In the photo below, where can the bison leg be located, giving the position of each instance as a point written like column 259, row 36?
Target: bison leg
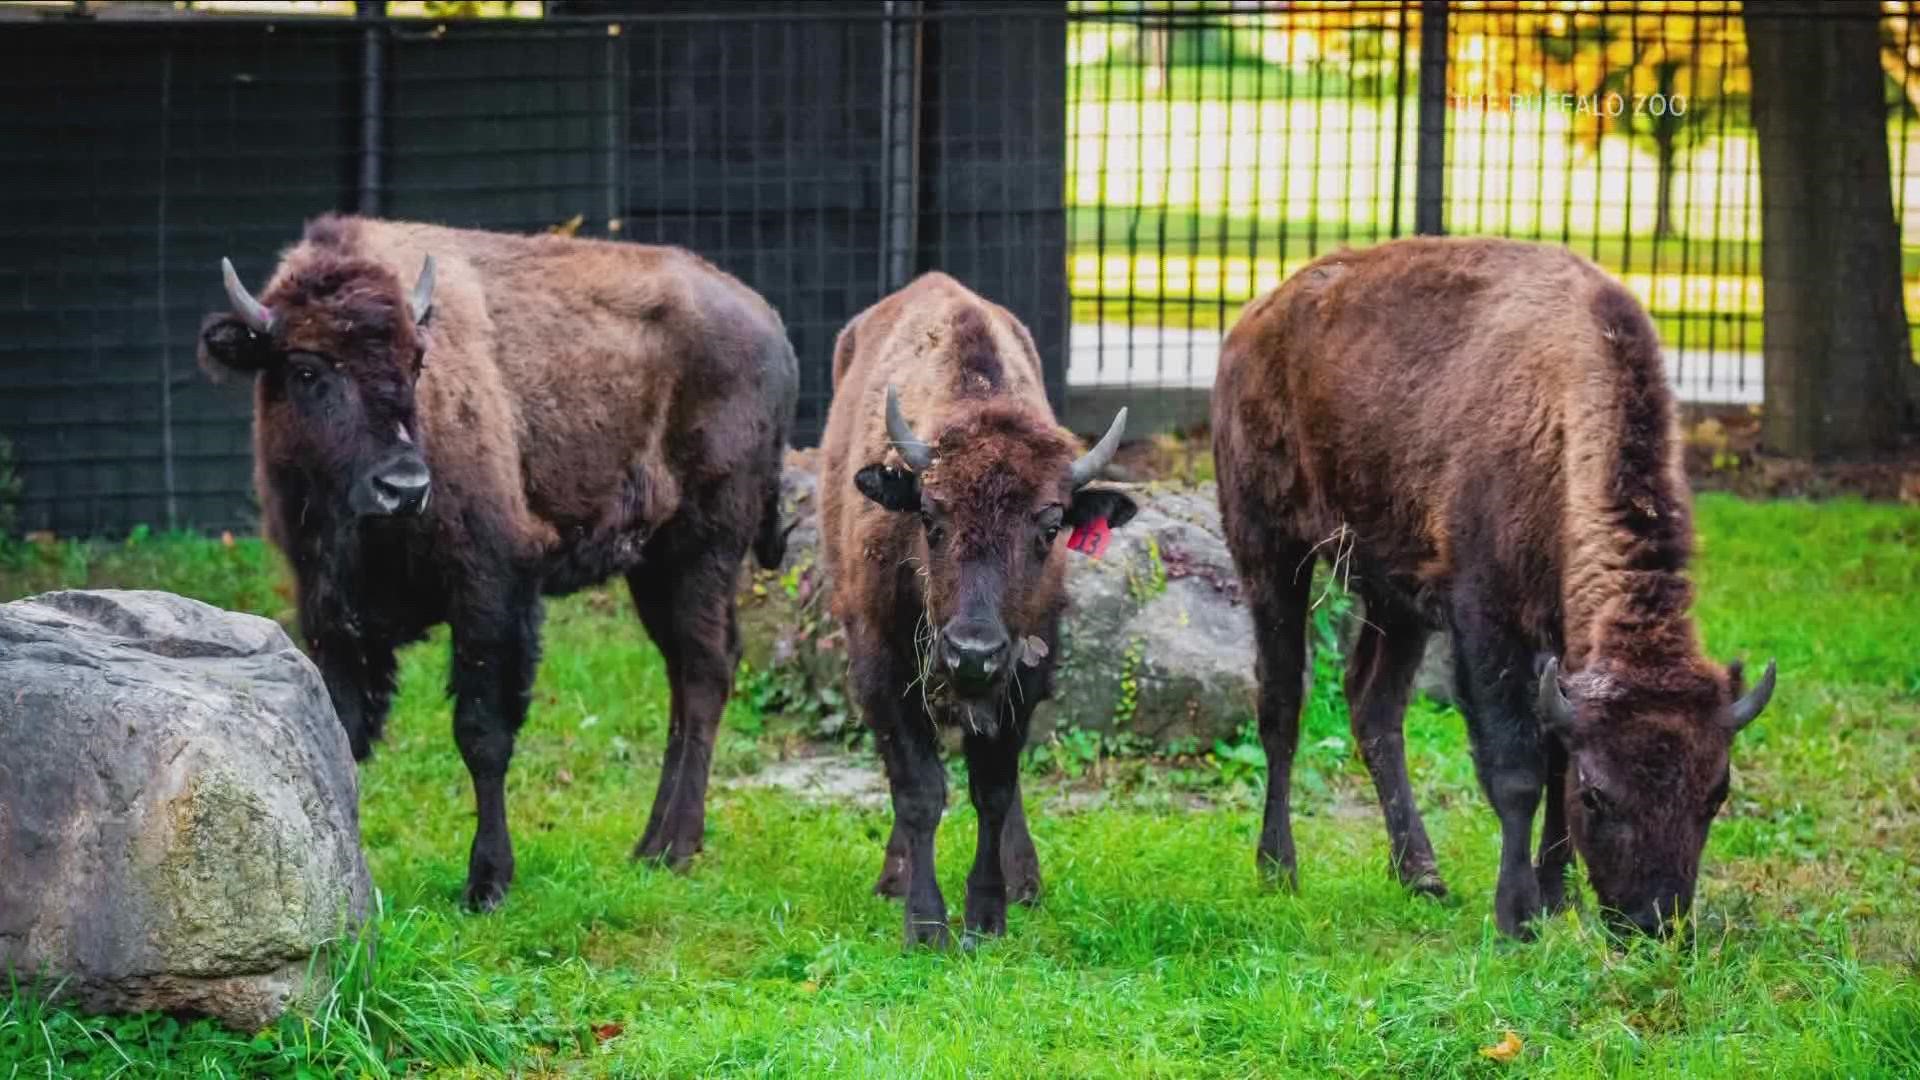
column 359, row 677
column 910, row 750
column 1019, row 862
column 1493, row 675
column 993, row 764
column 1379, row 680
column 1556, row 847
column 894, row 871
column 689, row 613
column 1278, row 593
column 495, row 654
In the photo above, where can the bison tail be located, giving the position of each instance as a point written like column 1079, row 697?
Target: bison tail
column 770, row 546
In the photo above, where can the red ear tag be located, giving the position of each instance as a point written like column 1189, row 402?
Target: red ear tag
column 1090, row 538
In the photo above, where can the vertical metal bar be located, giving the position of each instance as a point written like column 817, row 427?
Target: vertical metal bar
column 615, row 128
column 900, row 62
column 625, row 193
column 373, row 105
column 160, row 291
column 1399, row 112
column 1688, row 316
column 1430, row 162
column 1284, row 200
column 1224, row 218
column 1719, row 208
column 1569, row 156
column 1259, row 166
column 1626, row 116
column 1318, row 96
column 1906, row 116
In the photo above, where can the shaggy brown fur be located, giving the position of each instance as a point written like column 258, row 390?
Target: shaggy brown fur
column 970, row 546
column 1480, row 435
column 584, row 409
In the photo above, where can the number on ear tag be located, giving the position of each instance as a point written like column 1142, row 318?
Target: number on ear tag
column 1090, row 538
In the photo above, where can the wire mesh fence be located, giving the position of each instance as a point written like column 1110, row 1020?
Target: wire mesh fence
column 1124, row 176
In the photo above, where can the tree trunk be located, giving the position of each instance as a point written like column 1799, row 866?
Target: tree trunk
column 1836, row 325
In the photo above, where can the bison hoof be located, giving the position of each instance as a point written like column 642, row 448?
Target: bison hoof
column 985, row 919
column 1426, row 882
column 676, row 855
column 1515, row 907
column 1274, row 874
column 485, row 895
column 894, row 879
column 929, row 931
column 1553, row 891
column 1024, row 890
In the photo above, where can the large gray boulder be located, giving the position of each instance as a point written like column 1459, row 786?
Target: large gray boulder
column 1156, row 643
column 179, row 823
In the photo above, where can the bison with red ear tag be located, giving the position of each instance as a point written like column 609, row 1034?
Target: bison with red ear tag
column 949, row 495
column 1484, row 431
column 450, row 425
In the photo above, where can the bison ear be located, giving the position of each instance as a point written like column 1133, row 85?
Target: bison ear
column 1093, row 503
column 229, row 346
column 896, row 489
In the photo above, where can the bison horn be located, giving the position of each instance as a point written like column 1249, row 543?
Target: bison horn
column 422, row 299
column 913, row 451
column 1556, row 712
column 1749, row 705
column 255, row 314
column 1096, row 459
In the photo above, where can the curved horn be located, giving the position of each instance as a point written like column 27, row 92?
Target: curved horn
column 255, row 314
column 914, row 452
column 1556, row 712
column 422, row 299
column 1096, row 459
column 1749, row 706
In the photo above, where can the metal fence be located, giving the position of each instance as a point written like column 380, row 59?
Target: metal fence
column 824, row 153
column 1215, row 148
column 1124, row 176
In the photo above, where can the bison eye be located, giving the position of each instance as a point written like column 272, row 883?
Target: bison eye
column 1595, row 800
column 1053, row 532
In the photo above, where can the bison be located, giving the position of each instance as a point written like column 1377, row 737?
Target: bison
column 1480, row 434
column 948, row 558
column 532, row 416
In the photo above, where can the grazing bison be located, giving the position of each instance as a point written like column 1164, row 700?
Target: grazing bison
column 1481, row 435
column 535, row 415
column 948, row 571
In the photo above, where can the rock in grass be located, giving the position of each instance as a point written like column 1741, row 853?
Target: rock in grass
column 179, row 823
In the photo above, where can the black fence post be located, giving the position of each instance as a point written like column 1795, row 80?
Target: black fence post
column 1430, row 161
column 901, row 70
column 373, row 101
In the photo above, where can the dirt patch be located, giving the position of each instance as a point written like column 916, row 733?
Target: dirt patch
column 822, row 774
column 854, row 779
column 1723, row 453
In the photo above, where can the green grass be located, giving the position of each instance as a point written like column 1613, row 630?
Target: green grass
column 1154, row 952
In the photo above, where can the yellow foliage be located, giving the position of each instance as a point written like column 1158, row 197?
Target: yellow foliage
column 1505, row 1050
column 1696, row 51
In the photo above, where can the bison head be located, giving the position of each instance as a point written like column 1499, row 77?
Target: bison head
column 337, row 348
column 1647, row 771
column 992, row 495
